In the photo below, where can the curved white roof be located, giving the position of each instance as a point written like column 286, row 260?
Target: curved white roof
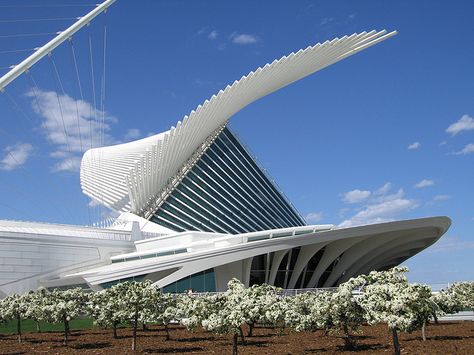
column 363, row 248
column 130, row 176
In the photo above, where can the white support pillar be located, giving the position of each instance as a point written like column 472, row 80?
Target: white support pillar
column 355, row 253
column 277, row 258
column 306, row 253
column 333, row 250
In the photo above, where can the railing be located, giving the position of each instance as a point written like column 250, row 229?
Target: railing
column 297, row 291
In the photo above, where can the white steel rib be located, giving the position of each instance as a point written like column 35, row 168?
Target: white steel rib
column 132, row 176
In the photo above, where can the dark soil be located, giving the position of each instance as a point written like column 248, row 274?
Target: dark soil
column 445, row 338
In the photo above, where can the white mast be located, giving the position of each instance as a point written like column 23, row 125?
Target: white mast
column 51, row 45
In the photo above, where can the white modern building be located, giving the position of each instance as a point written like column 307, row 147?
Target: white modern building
column 198, row 210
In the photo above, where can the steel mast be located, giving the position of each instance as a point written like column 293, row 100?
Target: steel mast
column 51, row 45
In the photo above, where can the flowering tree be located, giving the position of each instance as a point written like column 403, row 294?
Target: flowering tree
column 228, row 314
column 105, row 308
column 36, row 302
column 257, row 302
column 62, row 306
column 134, row 301
column 191, row 310
column 275, row 313
column 298, row 314
column 163, row 310
column 389, row 298
column 465, row 291
column 15, row 307
column 346, row 312
column 455, row 298
column 331, row 311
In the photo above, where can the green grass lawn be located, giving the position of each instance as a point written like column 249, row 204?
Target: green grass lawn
column 30, row 326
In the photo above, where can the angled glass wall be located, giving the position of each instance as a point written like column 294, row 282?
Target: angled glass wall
column 227, row 192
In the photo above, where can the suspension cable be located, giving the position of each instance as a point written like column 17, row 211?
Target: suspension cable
column 16, row 35
column 56, row 74
column 36, row 90
column 93, row 86
column 33, row 181
column 94, row 115
column 77, row 106
column 82, row 98
column 16, row 105
column 104, row 79
column 103, row 87
column 37, row 19
column 54, row 5
column 17, row 50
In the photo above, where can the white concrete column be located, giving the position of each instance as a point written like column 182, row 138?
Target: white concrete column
column 379, row 253
column 333, row 250
column 356, row 252
column 277, row 258
column 306, row 253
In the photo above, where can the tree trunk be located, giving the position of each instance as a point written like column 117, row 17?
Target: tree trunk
column 66, row 330
column 167, row 332
column 135, row 325
column 242, row 335
column 114, row 326
column 38, row 326
column 348, row 341
column 423, row 334
column 250, row 333
column 234, row 343
column 435, row 318
column 18, row 329
column 396, row 344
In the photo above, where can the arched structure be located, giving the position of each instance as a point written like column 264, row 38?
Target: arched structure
column 198, row 210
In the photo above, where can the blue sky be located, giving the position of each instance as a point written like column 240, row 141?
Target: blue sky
column 387, row 134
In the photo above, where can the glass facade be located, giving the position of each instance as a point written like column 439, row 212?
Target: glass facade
column 203, row 281
column 227, row 192
column 139, row 278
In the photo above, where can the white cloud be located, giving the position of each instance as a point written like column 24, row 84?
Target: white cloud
column 451, row 243
column 381, row 207
column 213, row 35
column 414, row 145
column 314, row 217
column 384, row 189
column 441, row 197
column 69, row 163
column 132, row 133
column 15, row 156
column 201, row 31
column 326, row 20
column 380, row 212
column 438, row 198
column 355, row 196
column 72, row 128
column 468, row 149
column 244, row 38
column 384, row 197
column 424, row 183
column 465, row 123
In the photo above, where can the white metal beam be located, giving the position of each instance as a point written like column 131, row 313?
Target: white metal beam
column 51, row 45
